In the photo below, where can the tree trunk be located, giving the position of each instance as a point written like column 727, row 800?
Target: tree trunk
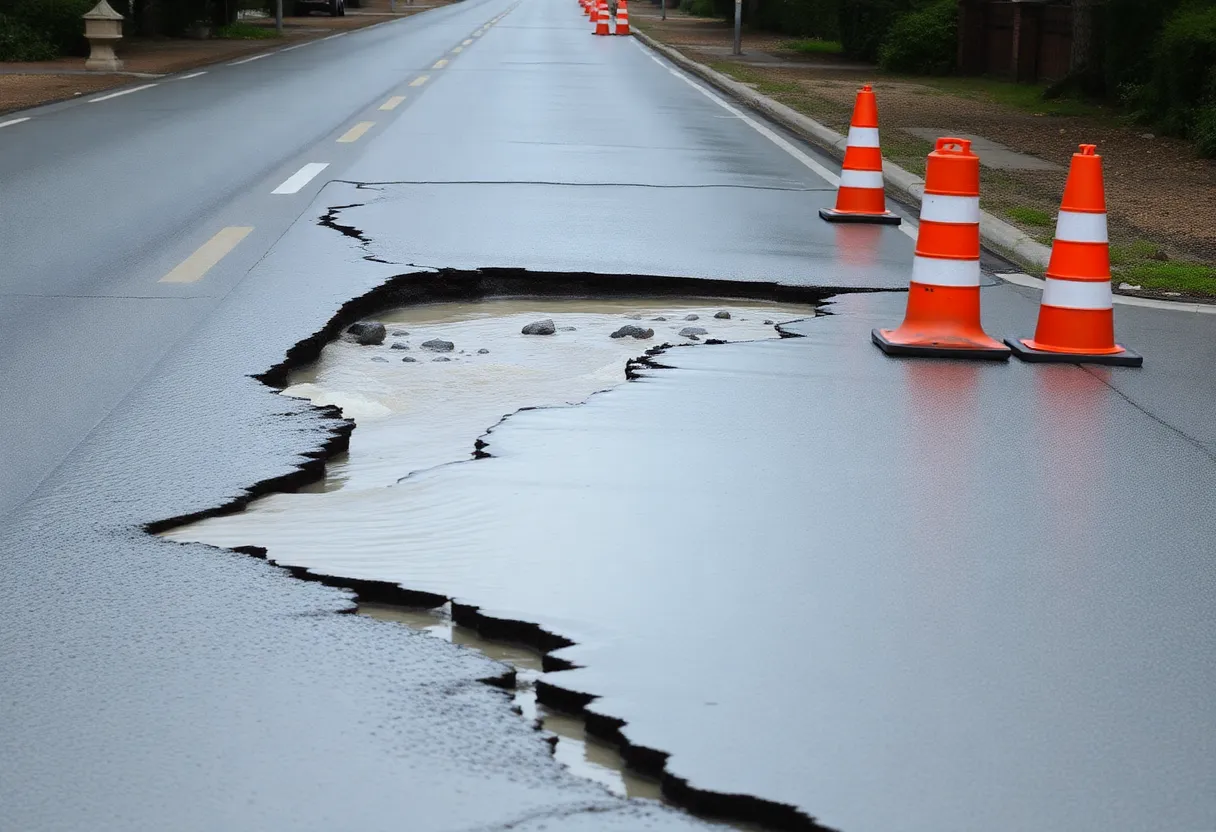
column 1080, row 60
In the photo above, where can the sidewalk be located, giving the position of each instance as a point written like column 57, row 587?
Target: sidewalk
column 1161, row 196
column 24, row 85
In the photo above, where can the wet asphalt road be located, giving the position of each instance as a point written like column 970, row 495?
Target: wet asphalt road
column 150, row 685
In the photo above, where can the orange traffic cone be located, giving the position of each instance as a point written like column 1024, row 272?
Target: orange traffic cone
column 860, row 196
column 943, row 317
column 622, row 17
column 601, row 18
column 1076, row 319
column 589, row 8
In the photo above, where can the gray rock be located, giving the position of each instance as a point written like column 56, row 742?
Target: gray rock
column 632, row 331
column 544, row 327
column 693, row 331
column 660, row 318
column 380, row 359
column 566, row 328
column 483, row 351
column 438, row 345
column 692, row 317
column 693, row 337
column 399, row 345
column 768, row 322
column 367, row 333
column 441, row 358
column 723, row 315
column 637, row 317
column 398, row 333
column 409, row 359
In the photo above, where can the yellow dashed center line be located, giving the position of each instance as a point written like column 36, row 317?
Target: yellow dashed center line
column 209, row 253
column 467, row 42
column 420, row 80
column 440, row 64
column 392, row 103
column 356, row 132
column 456, row 50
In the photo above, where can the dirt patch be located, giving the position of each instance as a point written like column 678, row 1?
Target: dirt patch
column 24, row 85
column 17, row 92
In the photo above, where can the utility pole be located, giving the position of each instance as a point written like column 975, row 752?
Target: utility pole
column 738, row 50
column 663, row 5
column 278, row 16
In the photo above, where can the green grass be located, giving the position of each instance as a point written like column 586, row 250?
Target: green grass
column 746, row 75
column 813, row 46
column 1133, row 252
column 1026, row 97
column 1187, row 278
column 1029, row 216
column 245, row 31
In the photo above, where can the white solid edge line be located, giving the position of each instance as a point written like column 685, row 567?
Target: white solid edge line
column 823, row 173
column 908, row 228
column 108, row 96
column 300, row 178
column 188, row 77
column 298, row 46
column 13, row 121
column 254, row 58
column 1032, row 282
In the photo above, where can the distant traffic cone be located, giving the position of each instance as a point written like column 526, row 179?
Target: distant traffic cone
column 943, row 317
column 860, row 196
column 1076, row 318
column 589, row 9
column 622, row 17
column 601, row 18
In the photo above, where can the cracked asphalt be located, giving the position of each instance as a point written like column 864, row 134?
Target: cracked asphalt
column 161, row 248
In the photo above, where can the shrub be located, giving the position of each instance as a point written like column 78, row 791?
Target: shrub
column 1204, row 130
column 922, row 42
column 864, row 24
column 802, row 18
column 1184, row 68
column 18, row 42
column 57, row 22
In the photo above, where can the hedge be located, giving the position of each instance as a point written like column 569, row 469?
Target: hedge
column 923, row 42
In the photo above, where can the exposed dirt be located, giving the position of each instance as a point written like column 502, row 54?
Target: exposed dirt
column 24, row 85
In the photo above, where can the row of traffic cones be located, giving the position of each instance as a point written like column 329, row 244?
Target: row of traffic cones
column 598, row 12
column 1076, row 316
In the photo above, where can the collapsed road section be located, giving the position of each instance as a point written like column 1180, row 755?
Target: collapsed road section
column 423, row 382
column 772, row 574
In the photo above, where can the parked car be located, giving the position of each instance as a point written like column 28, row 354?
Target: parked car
column 336, row 8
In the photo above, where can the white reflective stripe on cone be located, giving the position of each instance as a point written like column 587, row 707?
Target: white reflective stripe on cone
column 1077, row 294
column 863, row 136
column 960, row 209
column 1080, row 227
column 861, row 179
column 934, row 272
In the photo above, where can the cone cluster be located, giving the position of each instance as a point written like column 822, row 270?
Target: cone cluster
column 601, row 18
column 942, row 320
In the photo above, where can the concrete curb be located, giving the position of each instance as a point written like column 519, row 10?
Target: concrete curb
column 995, row 233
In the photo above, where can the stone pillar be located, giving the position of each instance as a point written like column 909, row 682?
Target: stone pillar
column 103, row 29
